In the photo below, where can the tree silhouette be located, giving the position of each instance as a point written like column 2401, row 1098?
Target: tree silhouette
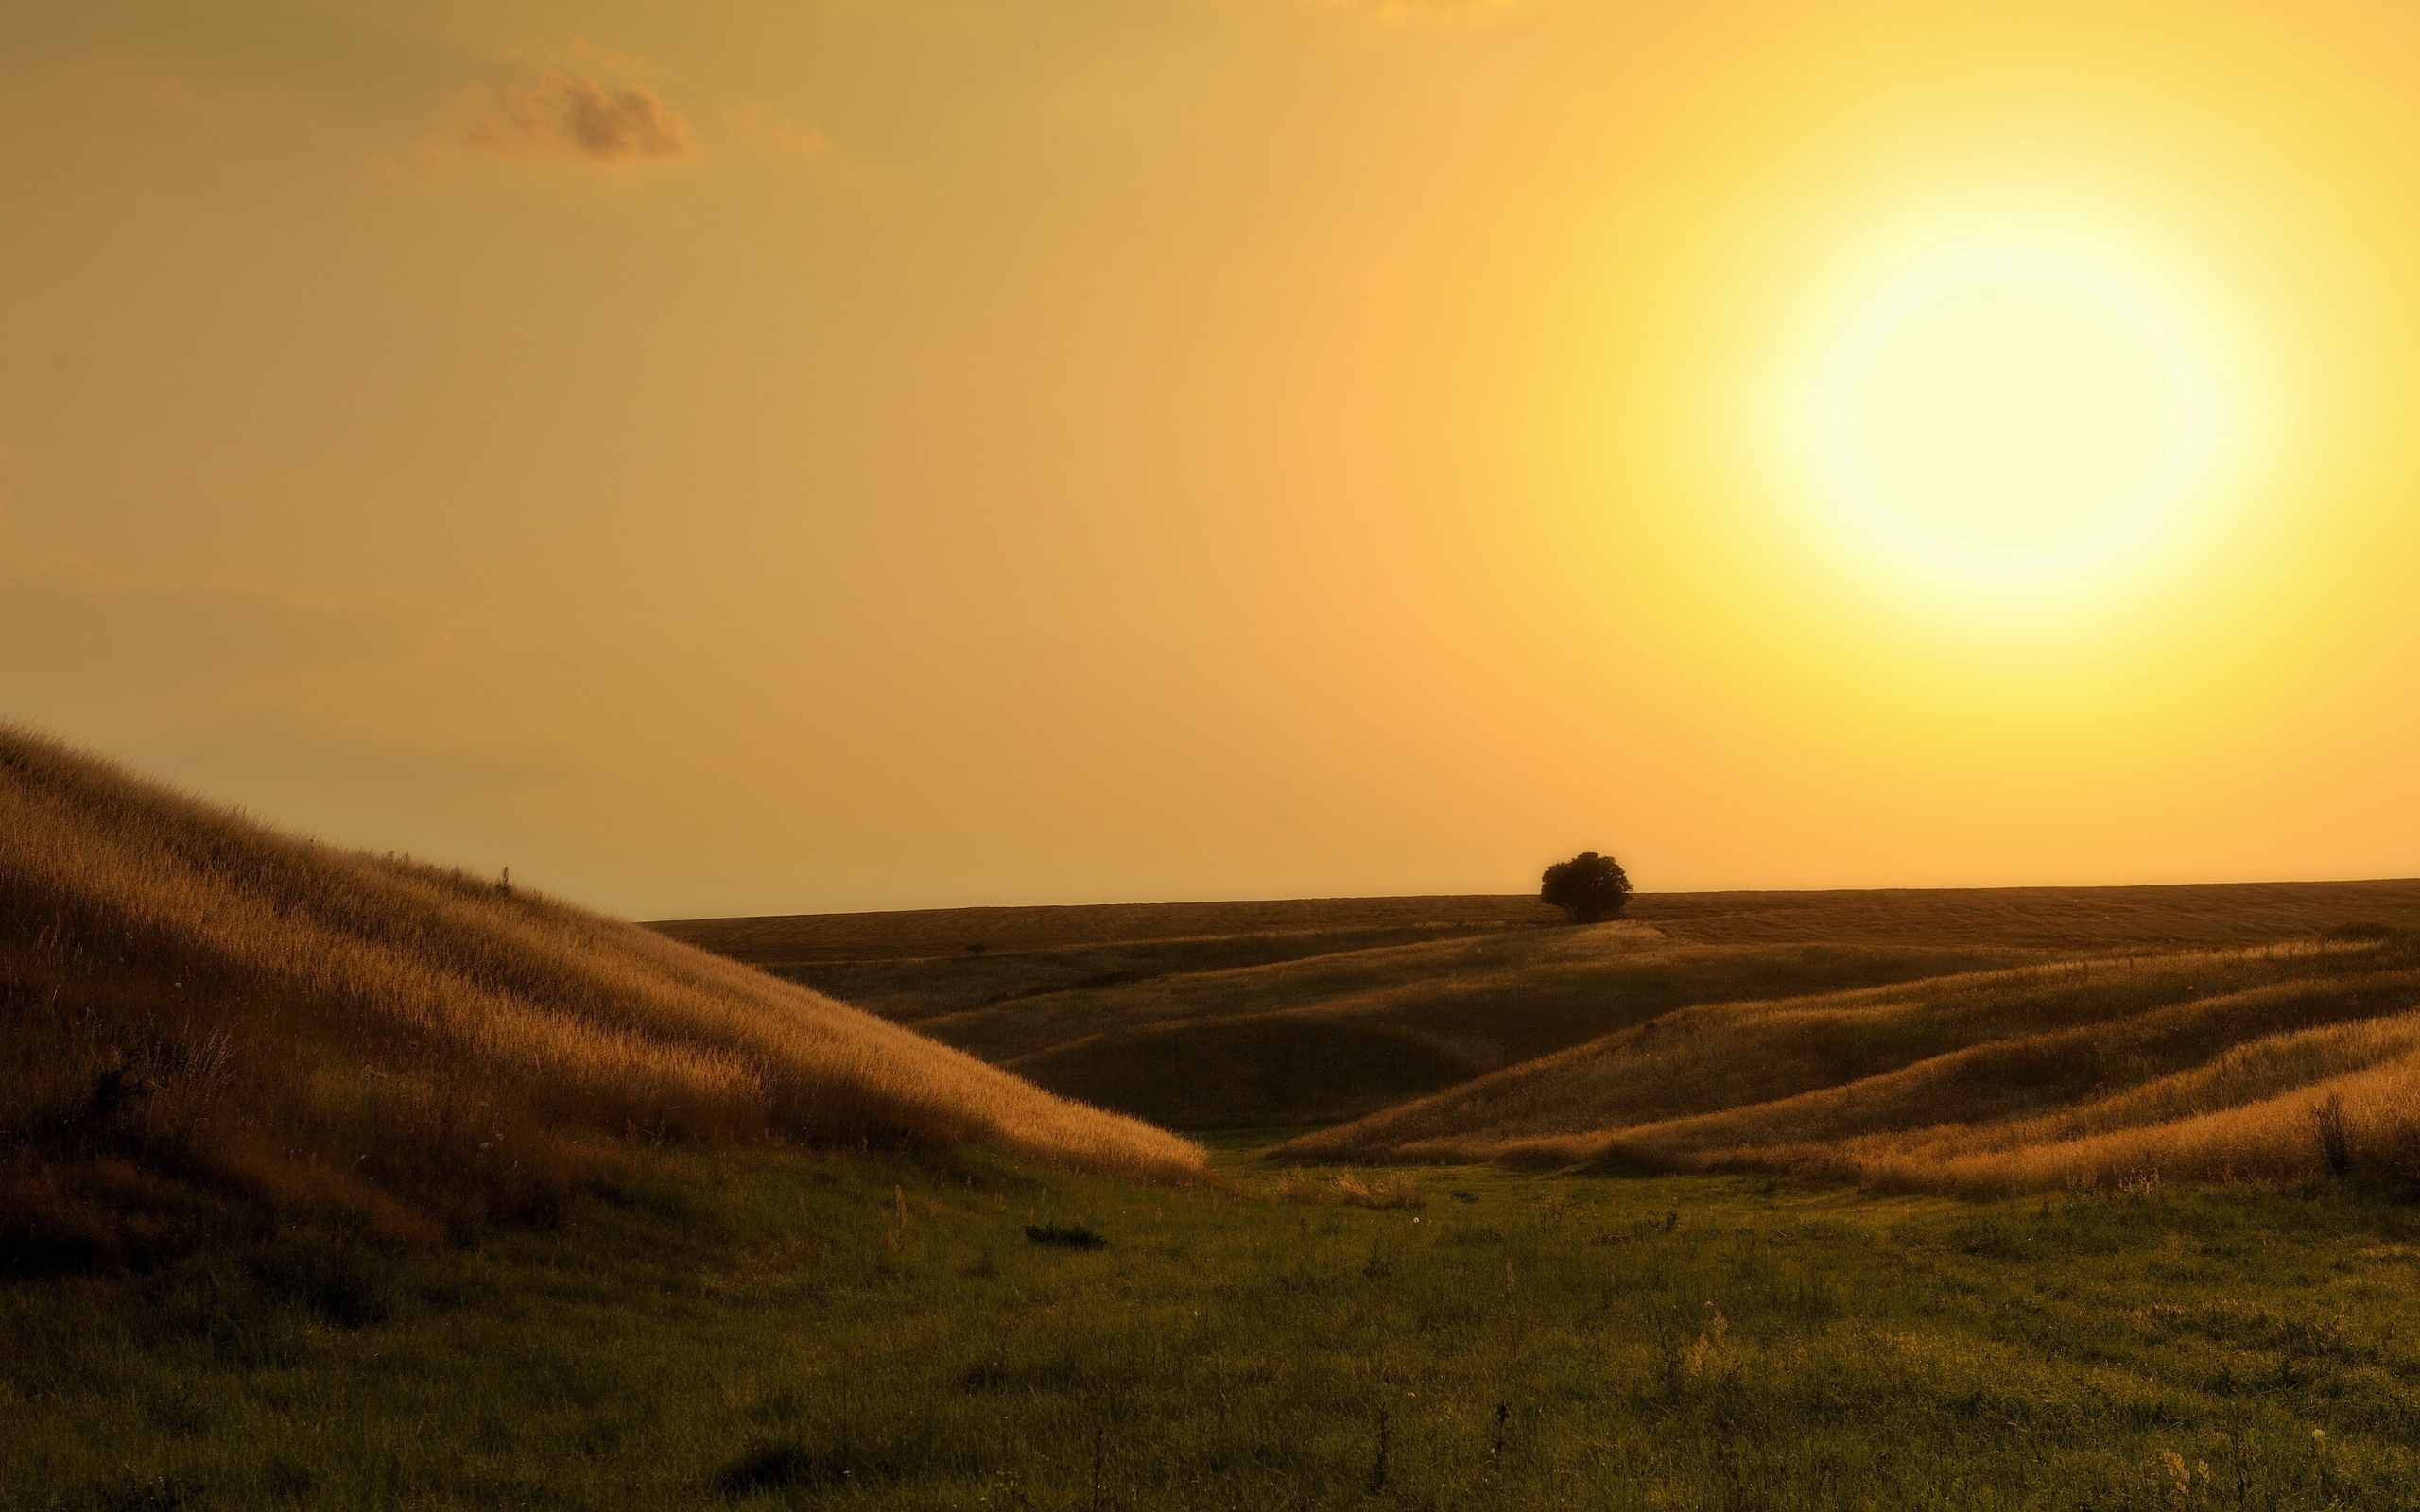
column 1589, row 887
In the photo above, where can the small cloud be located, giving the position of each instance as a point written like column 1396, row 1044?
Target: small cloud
column 1430, row 12
column 274, row 750
column 574, row 115
column 105, row 93
column 129, row 81
column 768, row 129
column 580, row 55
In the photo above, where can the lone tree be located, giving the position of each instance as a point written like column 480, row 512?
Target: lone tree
column 1589, row 887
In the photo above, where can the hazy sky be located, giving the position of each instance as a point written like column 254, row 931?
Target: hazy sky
column 753, row 458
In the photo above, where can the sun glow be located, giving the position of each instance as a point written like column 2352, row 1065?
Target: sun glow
column 2011, row 415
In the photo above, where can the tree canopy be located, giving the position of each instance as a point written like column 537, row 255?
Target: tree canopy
column 1589, row 887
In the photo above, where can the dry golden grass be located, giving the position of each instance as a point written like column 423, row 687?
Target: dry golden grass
column 1346, row 1035
column 209, row 1024
column 1367, row 1006
column 2192, row 1065
column 1306, row 1012
column 1351, row 1189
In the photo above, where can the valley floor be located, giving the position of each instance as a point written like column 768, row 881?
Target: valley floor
column 786, row 1329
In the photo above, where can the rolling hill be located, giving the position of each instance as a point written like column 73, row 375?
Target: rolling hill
column 212, row 1028
column 2273, row 1060
column 1319, row 1011
column 1270, row 1014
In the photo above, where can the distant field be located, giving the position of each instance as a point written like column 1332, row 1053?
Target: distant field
column 918, row 934
column 1306, row 1011
column 2039, row 918
column 2055, row 919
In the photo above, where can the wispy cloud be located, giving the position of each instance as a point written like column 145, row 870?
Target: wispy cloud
column 274, row 748
column 78, row 639
column 1433, row 12
column 767, row 128
column 581, row 105
column 574, row 115
column 580, row 56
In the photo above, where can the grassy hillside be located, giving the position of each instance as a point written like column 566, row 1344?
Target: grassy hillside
column 2191, row 1064
column 1306, row 1011
column 207, row 1028
column 1341, row 1036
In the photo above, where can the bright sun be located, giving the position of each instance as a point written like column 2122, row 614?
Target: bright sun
column 2012, row 415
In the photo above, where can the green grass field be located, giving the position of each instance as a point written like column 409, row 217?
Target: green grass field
column 782, row 1329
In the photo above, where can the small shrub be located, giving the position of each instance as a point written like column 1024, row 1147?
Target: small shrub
column 1073, row 1236
column 794, row 1467
column 2335, row 1142
column 158, row 1494
column 1396, row 1189
column 347, row 1286
column 1351, row 1189
column 2366, row 932
column 2139, row 1183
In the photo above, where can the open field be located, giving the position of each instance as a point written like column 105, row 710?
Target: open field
column 209, row 1030
column 1228, row 1015
column 765, row 1328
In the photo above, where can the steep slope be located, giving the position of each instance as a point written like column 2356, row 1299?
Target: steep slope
column 207, row 1026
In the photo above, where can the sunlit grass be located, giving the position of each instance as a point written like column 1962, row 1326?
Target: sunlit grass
column 209, row 1030
column 2197, row 1065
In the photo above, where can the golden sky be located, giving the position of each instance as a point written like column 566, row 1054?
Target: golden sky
column 747, row 457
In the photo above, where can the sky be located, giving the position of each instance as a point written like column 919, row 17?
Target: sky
column 739, row 458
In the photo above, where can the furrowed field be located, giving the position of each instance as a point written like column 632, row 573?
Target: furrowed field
column 775, row 1328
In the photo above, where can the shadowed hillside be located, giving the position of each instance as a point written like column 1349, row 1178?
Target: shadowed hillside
column 1338, row 1009
column 2193, row 1064
column 1340, row 1036
column 207, row 1028
column 1311, row 1010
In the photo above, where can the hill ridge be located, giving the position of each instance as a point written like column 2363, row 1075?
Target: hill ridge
column 210, row 1026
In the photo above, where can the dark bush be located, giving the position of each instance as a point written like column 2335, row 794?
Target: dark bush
column 1069, row 1238
column 2335, row 1140
column 796, row 1467
column 1589, row 887
column 2355, row 934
